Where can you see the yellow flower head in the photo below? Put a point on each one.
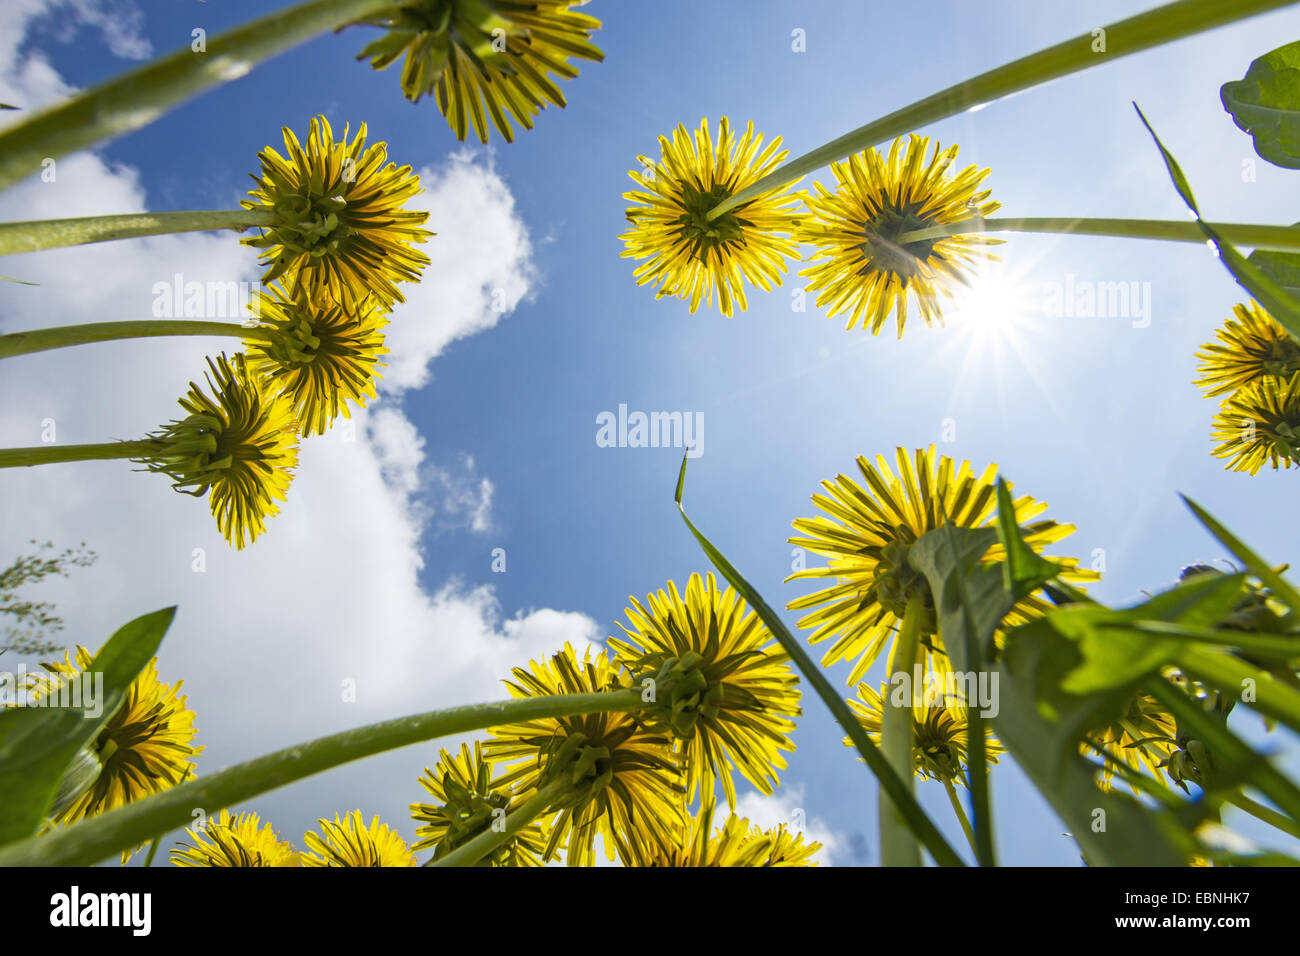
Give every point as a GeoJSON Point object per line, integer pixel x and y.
{"type": "Point", "coordinates": [690, 256]}
{"type": "Point", "coordinates": [1145, 737]}
{"type": "Point", "coordinates": [144, 748]}
{"type": "Point", "coordinates": [865, 270]}
{"type": "Point", "coordinates": [867, 537]}
{"type": "Point", "coordinates": [1250, 347]}
{"type": "Point", "coordinates": [350, 842]}
{"type": "Point", "coordinates": [485, 59]}
{"type": "Point", "coordinates": [239, 447]}
{"type": "Point", "coordinates": [940, 731]}
{"type": "Point", "coordinates": [626, 781]}
{"type": "Point", "coordinates": [730, 693]}
{"type": "Point", "coordinates": [1259, 425]}
{"type": "Point", "coordinates": [735, 843]}
{"type": "Point", "coordinates": [240, 841]}
{"type": "Point", "coordinates": [321, 356]}
{"type": "Point", "coordinates": [338, 227]}
{"type": "Point", "coordinates": [469, 801]}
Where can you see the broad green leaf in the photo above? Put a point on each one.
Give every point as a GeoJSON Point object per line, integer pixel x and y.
{"type": "Point", "coordinates": [1116, 655]}
{"type": "Point", "coordinates": [1266, 104]}
{"type": "Point", "coordinates": [37, 744]}
{"type": "Point", "coordinates": [1025, 570]}
{"type": "Point", "coordinates": [1281, 268]}
{"type": "Point", "coordinates": [1281, 304]}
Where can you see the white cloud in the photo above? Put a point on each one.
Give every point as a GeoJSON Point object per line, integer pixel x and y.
{"type": "Point", "coordinates": [266, 638]}
{"type": "Point", "coordinates": [786, 806]}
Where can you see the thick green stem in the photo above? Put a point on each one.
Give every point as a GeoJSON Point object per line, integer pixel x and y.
{"type": "Point", "coordinates": [63, 336]}
{"type": "Point", "coordinates": [1284, 238]}
{"type": "Point", "coordinates": [1266, 814]}
{"type": "Point", "coordinates": [96, 838]}
{"type": "Point", "coordinates": [17, 237]}
{"type": "Point", "coordinates": [1173, 21]}
{"type": "Point", "coordinates": [137, 98]}
{"type": "Point", "coordinates": [960, 811]}
{"type": "Point", "coordinates": [484, 843]}
{"type": "Point", "coordinates": [52, 454]}
{"type": "Point", "coordinates": [898, 846]}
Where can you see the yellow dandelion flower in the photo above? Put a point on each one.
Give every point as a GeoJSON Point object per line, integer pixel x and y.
{"type": "Point", "coordinates": [626, 780]}
{"type": "Point", "coordinates": [321, 355]}
{"type": "Point", "coordinates": [688, 255]}
{"type": "Point", "coordinates": [469, 801]}
{"type": "Point", "coordinates": [940, 730]}
{"type": "Point", "coordinates": [865, 270]}
{"type": "Point", "coordinates": [1145, 737]}
{"type": "Point", "coordinates": [1250, 347]}
{"type": "Point", "coordinates": [339, 227]}
{"type": "Point", "coordinates": [239, 841]}
{"type": "Point", "coordinates": [735, 843]}
{"type": "Point", "coordinates": [350, 842]}
{"type": "Point", "coordinates": [1259, 425]}
{"type": "Point", "coordinates": [239, 447]}
{"type": "Point", "coordinates": [144, 748]}
{"type": "Point", "coordinates": [732, 704]}
{"type": "Point", "coordinates": [867, 538]}
{"type": "Point", "coordinates": [485, 59]}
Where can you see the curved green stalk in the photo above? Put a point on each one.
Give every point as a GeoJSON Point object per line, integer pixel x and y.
{"type": "Point", "coordinates": [102, 451]}
{"type": "Point", "coordinates": [37, 234]}
{"type": "Point", "coordinates": [898, 846]}
{"type": "Point", "coordinates": [137, 98]}
{"type": "Point", "coordinates": [91, 840]}
{"type": "Point", "coordinates": [1266, 814]}
{"type": "Point", "coordinates": [1283, 238]}
{"type": "Point", "coordinates": [960, 811]}
{"type": "Point", "coordinates": [64, 336]}
{"type": "Point", "coordinates": [1173, 21]}
{"type": "Point", "coordinates": [470, 852]}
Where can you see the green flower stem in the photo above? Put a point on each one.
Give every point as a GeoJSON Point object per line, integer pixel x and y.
{"type": "Point", "coordinates": [1266, 814]}
{"type": "Point", "coordinates": [96, 838]}
{"type": "Point", "coordinates": [17, 237]}
{"type": "Point", "coordinates": [898, 846]}
{"type": "Point", "coordinates": [470, 852]}
{"type": "Point", "coordinates": [1284, 238]}
{"type": "Point", "coordinates": [890, 782]}
{"type": "Point", "coordinates": [51, 454]}
{"type": "Point", "coordinates": [957, 808]}
{"type": "Point", "coordinates": [135, 99]}
{"type": "Point", "coordinates": [1173, 21]}
{"type": "Point", "coordinates": [63, 336]}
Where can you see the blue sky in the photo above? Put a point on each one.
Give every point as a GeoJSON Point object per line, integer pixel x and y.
{"type": "Point", "coordinates": [1094, 415]}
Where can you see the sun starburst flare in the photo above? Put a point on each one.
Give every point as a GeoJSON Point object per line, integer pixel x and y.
{"type": "Point", "coordinates": [322, 355]}
{"type": "Point", "coordinates": [340, 229]}
{"type": "Point", "coordinates": [736, 694]}
{"type": "Point", "coordinates": [697, 259]}
{"type": "Point", "coordinates": [351, 842]}
{"type": "Point", "coordinates": [860, 267]}
{"type": "Point", "coordinates": [1260, 425]}
{"type": "Point", "coordinates": [144, 748]}
{"type": "Point", "coordinates": [226, 841]}
{"type": "Point", "coordinates": [239, 447]}
{"type": "Point", "coordinates": [625, 779]}
{"type": "Point", "coordinates": [867, 537]}
{"type": "Point", "coordinates": [485, 60]}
